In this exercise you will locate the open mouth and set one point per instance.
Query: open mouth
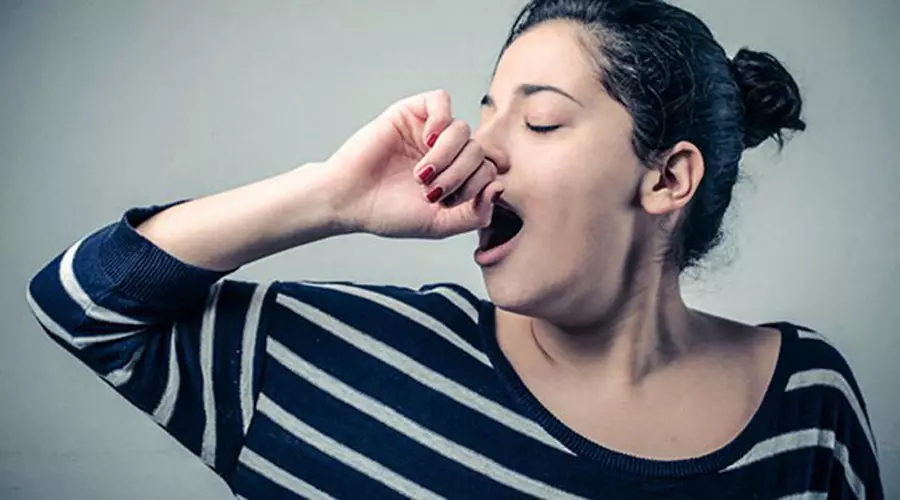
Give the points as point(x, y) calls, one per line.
point(505, 225)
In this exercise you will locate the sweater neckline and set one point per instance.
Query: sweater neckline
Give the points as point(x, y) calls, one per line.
point(759, 427)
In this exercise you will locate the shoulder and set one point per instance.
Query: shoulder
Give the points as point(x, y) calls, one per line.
point(813, 359)
point(823, 405)
point(819, 375)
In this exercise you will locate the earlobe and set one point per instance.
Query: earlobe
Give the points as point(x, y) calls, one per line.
point(672, 182)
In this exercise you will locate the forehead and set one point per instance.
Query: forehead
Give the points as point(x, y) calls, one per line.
point(552, 53)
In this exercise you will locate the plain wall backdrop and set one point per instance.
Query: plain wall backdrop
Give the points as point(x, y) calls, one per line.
point(107, 104)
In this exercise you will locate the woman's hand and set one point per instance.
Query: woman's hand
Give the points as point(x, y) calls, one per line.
point(414, 172)
point(371, 184)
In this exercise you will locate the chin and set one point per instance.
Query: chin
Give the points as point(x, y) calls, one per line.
point(521, 293)
point(559, 294)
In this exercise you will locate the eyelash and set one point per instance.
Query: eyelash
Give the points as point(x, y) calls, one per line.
point(542, 129)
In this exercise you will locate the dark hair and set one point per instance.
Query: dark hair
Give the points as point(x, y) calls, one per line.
point(664, 65)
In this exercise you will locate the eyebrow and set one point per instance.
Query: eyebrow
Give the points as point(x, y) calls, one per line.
point(530, 89)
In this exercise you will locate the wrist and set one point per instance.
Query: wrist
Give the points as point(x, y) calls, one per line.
point(327, 203)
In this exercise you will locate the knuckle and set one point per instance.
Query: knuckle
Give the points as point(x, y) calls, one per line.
point(442, 122)
point(476, 148)
point(472, 154)
point(442, 98)
point(474, 187)
point(462, 127)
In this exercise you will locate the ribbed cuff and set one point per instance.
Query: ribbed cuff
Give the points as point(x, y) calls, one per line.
point(144, 272)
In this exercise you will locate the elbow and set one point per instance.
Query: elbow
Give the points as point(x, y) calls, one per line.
point(51, 305)
point(40, 297)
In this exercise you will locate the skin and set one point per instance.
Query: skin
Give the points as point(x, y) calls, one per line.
point(589, 313)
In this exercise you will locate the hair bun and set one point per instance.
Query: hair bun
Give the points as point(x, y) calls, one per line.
point(771, 97)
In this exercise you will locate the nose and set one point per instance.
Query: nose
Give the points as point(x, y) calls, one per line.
point(493, 142)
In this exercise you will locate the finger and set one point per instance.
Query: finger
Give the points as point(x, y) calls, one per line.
point(438, 116)
point(475, 184)
point(474, 215)
point(433, 109)
point(452, 177)
point(446, 149)
point(483, 204)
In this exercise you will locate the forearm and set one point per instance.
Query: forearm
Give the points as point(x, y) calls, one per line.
point(227, 230)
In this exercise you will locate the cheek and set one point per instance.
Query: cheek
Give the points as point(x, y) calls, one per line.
point(588, 192)
point(588, 178)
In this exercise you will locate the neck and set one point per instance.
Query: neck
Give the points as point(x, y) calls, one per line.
point(652, 329)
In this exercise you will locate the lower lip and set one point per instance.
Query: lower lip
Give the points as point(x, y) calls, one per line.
point(486, 258)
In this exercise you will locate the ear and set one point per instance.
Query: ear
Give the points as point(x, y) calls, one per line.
point(671, 184)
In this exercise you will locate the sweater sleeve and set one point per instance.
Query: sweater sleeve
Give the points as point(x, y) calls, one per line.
point(181, 343)
point(844, 415)
point(859, 456)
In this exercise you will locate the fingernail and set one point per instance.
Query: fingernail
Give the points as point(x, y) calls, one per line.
point(426, 175)
point(431, 140)
point(435, 194)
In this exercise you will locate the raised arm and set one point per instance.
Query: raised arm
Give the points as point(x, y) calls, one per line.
point(144, 302)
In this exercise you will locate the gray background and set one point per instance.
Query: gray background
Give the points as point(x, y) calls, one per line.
point(109, 104)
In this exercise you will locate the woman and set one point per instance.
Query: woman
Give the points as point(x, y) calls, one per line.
point(607, 151)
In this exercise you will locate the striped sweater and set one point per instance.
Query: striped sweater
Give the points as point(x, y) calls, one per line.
point(340, 390)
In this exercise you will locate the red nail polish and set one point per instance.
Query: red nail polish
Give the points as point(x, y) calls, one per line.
point(431, 140)
point(426, 175)
point(435, 194)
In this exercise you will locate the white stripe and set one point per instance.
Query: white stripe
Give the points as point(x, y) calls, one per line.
point(166, 406)
point(843, 455)
point(121, 376)
point(421, 373)
point(248, 348)
point(58, 331)
point(803, 334)
point(338, 451)
point(784, 443)
point(833, 379)
point(808, 495)
point(412, 313)
point(208, 447)
point(393, 419)
point(458, 300)
point(82, 342)
point(280, 476)
point(797, 440)
point(76, 293)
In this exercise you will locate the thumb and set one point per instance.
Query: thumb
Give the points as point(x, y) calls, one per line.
point(471, 215)
point(483, 204)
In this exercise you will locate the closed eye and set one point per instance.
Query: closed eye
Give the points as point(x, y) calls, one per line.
point(542, 129)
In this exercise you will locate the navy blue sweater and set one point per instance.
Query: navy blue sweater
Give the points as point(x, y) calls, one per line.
point(340, 390)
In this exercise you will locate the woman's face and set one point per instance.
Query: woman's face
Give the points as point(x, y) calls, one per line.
point(575, 187)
